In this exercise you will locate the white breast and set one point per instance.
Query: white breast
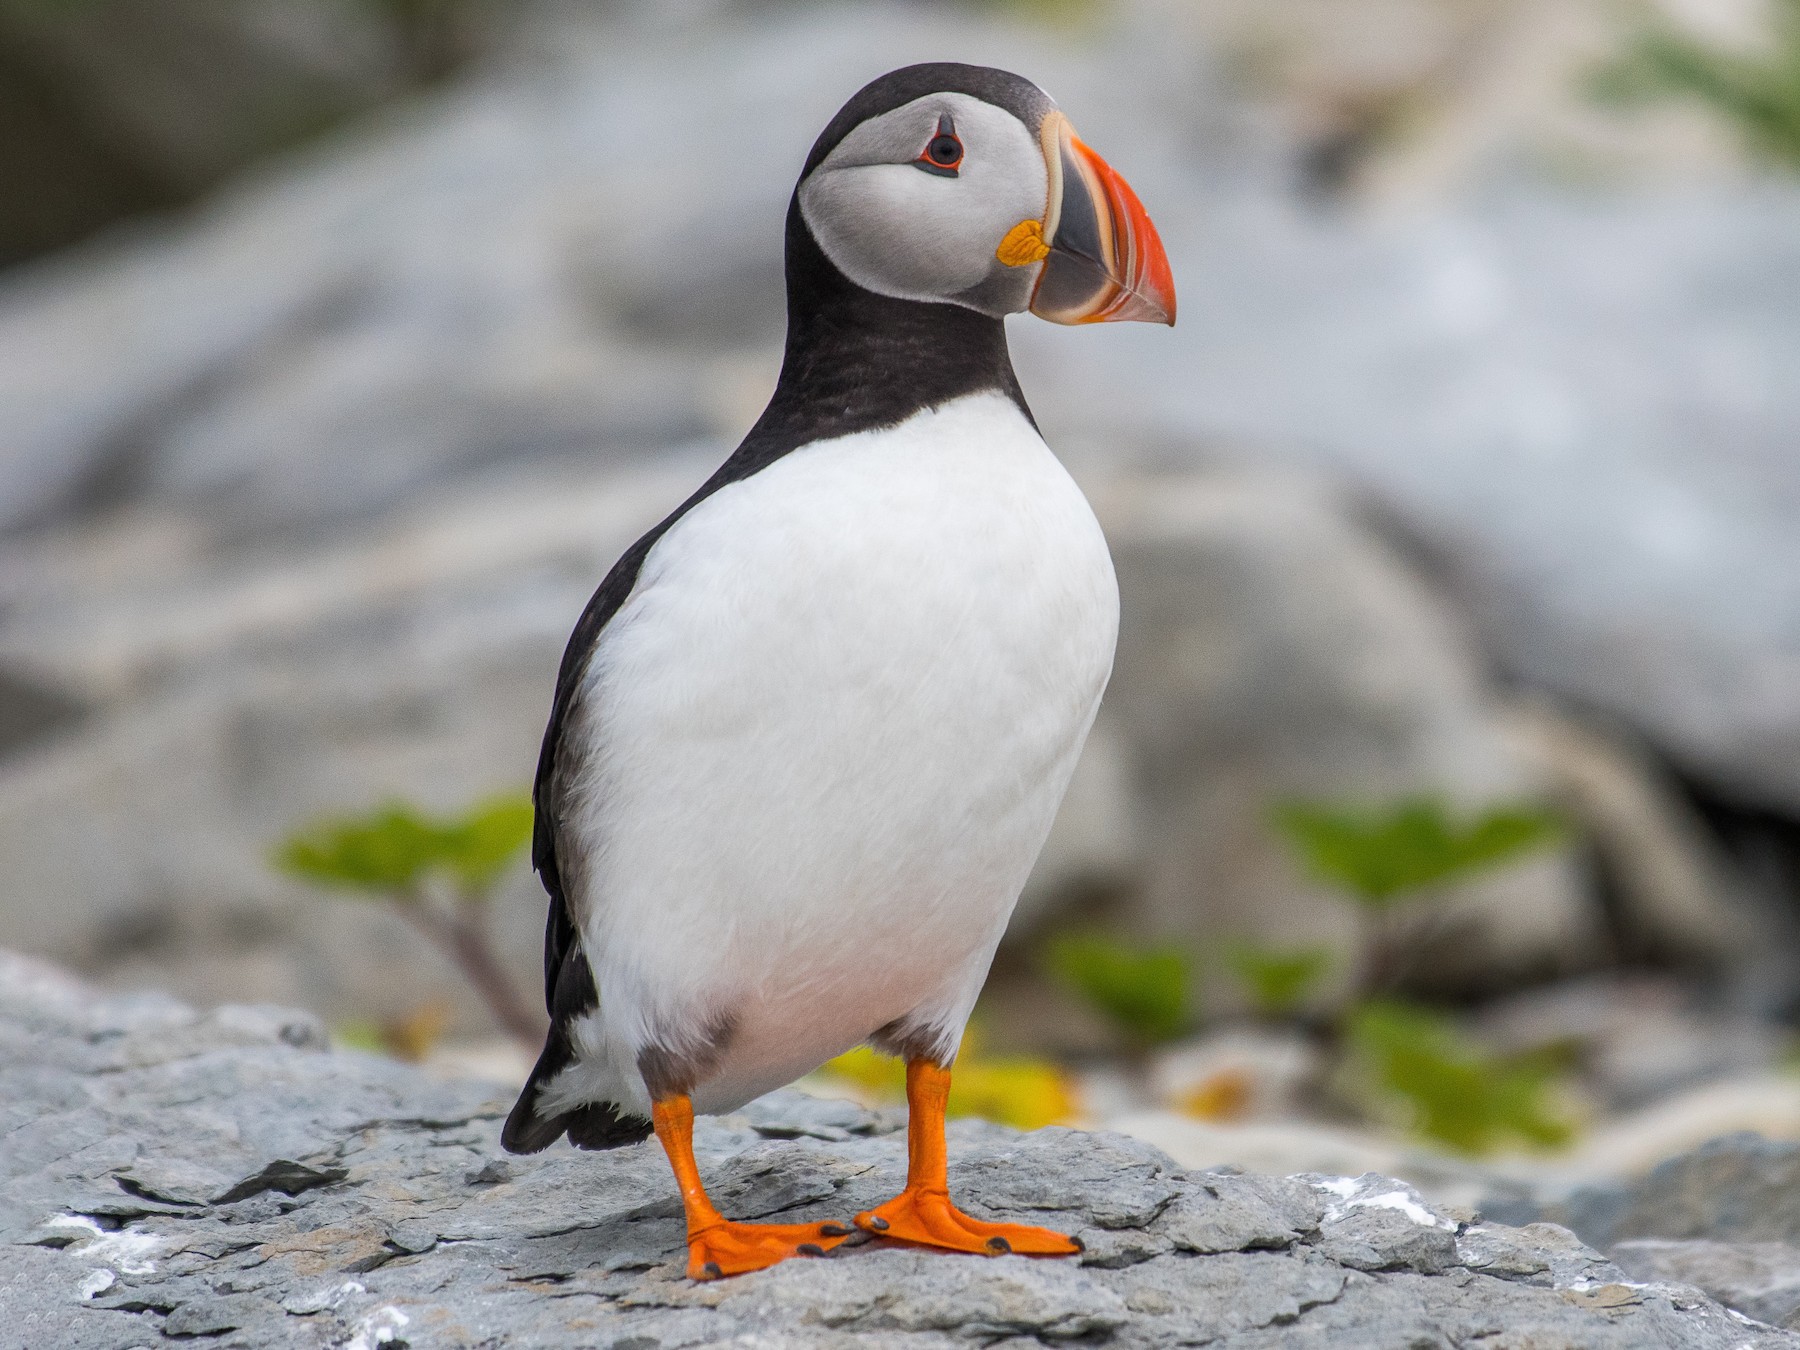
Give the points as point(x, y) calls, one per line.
point(829, 730)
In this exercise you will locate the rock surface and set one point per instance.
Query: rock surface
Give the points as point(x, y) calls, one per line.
point(171, 1175)
point(1739, 1188)
point(1723, 1217)
point(1760, 1279)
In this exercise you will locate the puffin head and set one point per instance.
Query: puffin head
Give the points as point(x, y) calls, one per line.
point(965, 185)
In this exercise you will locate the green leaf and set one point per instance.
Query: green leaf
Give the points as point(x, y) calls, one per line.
point(1454, 1093)
point(1278, 980)
point(1145, 992)
point(359, 1034)
point(478, 846)
point(388, 850)
point(396, 847)
point(1757, 91)
point(1382, 854)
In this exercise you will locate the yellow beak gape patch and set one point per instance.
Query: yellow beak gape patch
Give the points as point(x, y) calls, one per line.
point(1024, 244)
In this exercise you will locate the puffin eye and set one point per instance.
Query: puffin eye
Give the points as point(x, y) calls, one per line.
point(943, 153)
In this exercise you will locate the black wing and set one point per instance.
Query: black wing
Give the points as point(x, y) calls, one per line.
point(569, 991)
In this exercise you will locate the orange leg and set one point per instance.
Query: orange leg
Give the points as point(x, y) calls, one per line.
point(923, 1213)
point(716, 1245)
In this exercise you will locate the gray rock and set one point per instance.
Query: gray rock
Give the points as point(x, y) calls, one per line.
point(1273, 647)
point(367, 1206)
point(1642, 1039)
point(1374, 1224)
point(1677, 894)
point(1233, 1213)
point(483, 281)
point(1759, 1279)
point(1383, 1240)
point(1575, 403)
point(1741, 1188)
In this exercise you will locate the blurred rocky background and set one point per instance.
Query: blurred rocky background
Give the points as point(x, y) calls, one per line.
point(345, 343)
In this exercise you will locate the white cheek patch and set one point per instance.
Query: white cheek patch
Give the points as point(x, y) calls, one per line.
point(900, 231)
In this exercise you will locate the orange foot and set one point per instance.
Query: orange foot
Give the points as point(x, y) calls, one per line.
point(928, 1217)
point(727, 1248)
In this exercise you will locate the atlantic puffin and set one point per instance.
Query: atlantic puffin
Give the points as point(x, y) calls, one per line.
point(810, 732)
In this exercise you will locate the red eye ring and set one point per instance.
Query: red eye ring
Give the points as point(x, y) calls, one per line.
point(943, 153)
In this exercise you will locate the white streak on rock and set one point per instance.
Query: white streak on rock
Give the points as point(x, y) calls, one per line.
point(125, 1251)
point(378, 1328)
point(97, 1282)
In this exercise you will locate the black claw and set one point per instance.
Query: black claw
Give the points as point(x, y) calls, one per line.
point(834, 1230)
point(998, 1246)
point(712, 1271)
point(1077, 1243)
point(879, 1224)
point(810, 1249)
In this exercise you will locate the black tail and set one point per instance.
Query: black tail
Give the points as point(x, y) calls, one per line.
point(569, 996)
point(590, 1125)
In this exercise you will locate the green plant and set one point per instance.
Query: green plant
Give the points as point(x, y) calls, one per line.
point(1386, 853)
point(1146, 992)
point(1758, 92)
point(1383, 855)
point(1277, 979)
point(438, 873)
point(1403, 1057)
point(1451, 1091)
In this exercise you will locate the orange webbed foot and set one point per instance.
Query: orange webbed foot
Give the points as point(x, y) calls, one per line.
point(727, 1248)
point(927, 1217)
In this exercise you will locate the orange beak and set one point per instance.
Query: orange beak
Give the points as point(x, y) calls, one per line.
point(1105, 263)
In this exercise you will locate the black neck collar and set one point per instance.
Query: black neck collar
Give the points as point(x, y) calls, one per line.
point(858, 361)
